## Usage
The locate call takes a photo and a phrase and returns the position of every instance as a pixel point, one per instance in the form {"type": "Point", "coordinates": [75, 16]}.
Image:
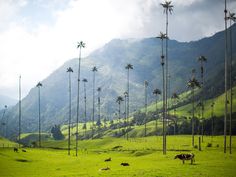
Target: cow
{"type": "Point", "coordinates": [15, 149]}
{"type": "Point", "coordinates": [124, 164]}
{"type": "Point", "coordinates": [104, 169]}
{"type": "Point", "coordinates": [107, 160]}
{"type": "Point", "coordinates": [184, 157]}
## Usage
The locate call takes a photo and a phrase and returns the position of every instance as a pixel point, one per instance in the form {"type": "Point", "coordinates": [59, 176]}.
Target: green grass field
{"type": "Point", "coordinates": [143, 154]}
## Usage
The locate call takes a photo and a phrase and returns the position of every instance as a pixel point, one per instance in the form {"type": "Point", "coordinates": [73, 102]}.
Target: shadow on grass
{"type": "Point", "coordinates": [22, 160]}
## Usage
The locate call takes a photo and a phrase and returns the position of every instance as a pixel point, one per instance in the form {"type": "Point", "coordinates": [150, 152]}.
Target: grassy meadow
{"type": "Point", "coordinates": [144, 156]}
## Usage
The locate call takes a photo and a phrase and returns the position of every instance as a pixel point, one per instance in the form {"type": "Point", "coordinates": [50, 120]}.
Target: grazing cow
{"type": "Point", "coordinates": [15, 149]}
{"type": "Point", "coordinates": [23, 150]}
{"type": "Point", "coordinates": [124, 164]}
{"type": "Point", "coordinates": [104, 169]}
{"type": "Point", "coordinates": [184, 157]}
{"type": "Point", "coordinates": [107, 160]}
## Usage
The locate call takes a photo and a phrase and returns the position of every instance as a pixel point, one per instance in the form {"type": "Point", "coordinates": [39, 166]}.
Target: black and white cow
{"type": "Point", "coordinates": [184, 157]}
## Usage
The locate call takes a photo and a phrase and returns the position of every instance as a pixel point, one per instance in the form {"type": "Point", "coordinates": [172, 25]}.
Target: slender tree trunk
{"type": "Point", "coordinates": [119, 117]}
{"type": "Point", "coordinates": [193, 117]}
{"type": "Point", "coordinates": [212, 120]}
{"type": "Point", "coordinates": [85, 107]}
{"type": "Point", "coordinates": [145, 120]}
{"type": "Point", "coordinates": [69, 122]}
{"type": "Point", "coordinates": [77, 113]}
{"type": "Point", "coordinates": [93, 103]}
{"type": "Point", "coordinates": [127, 135]}
{"type": "Point", "coordinates": [202, 101]}
{"type": "Point", "coordinates": [39, 117]}
{"type": "Point", "coordinates": [164, 110]}
{"type": "Point", "coordinates": [19, 134]}
{"type": "Point", "coordinates": [226, 77]}
{"type": "Point", "coordinates": [125, 112]}
{"type": "Point", "coordinates": [156, 114]}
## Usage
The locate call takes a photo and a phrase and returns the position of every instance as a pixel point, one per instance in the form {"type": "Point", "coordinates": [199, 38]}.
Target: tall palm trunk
{"type": "Point", "coordinates": [226, 77]}
{"type": "Point", "coordinates": [127, 115]}
{"type": "Point", "coordinates": [212, 118]}
{"type": "Point", "coordinates": [202, 105]}
{"type": "Point", "coordinates": [156, 115]}
{"type": "Point", "coordinates": [85, 107]}
{"type": "Point", "coordinates": [119, 116]}
{"type": "Point", "coordinates": [77, 113]}
{"type": "Point", "coordinates": [19, 133]}
{"type": "Point", "coordinates": [193, 116]}
{"type": "Point", "coordinates": [39, 117]}
{"type": "Point", "coordinates": [93, 123]}
{"type": "Point", "coordinates": [125, 94]}
{"type": "Point", "coordinates": [145, 120]}
{"type": "Point", "coordinates": [69, 121]}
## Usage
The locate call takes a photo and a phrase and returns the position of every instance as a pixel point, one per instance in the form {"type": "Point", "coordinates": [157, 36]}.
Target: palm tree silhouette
{"type": "Point", "coordinates": [19, 133]}
{"type": "Point", "coordinates": [128, 67]}
{"type": "Point", "coordinates": [69, 70]}
{"type": "Point", "coordinates": [94, 70]}
{"type": "Point", "coordinates": [175, 97]}
{"type": "Point", "coordinates": [156, 92]}
{"type": "Point", "coordinates": [212, 117]}
{"type": "Point", "coordinates": [85, 113]}
{"type": "Point", "coordinates": [80, 45]}
{"type": "Point", "coordinates": [119, 99]}
{"type": "Point", "coordinates": [202, 59]}
{"type": "Point", "coordinates": [163, 36]}
{"type": "Point", "coordinates": [168, 8]}
{"type": "Point", "coordinates": [39, 85]}
{"type": "Point", "coordinates": [193, 84]}
{"type": "Point", "coordinates": [232, 19]}
{"type": "Point", "coordinates": [145, 120]}
{"type": "Point", "coordinates": [99, 106]}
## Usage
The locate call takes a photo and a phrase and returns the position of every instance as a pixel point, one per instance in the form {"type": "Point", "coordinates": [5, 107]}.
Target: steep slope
{"type": "Point", "coordinates": [111, 59]}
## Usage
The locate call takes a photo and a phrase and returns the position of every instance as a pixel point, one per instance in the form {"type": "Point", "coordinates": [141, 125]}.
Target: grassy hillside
{"type": "Point", "coordinates": [6, 143]}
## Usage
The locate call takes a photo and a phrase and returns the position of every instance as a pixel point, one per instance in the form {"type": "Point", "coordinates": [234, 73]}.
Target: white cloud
{"type": "Point", "coordinates": [34, 46]}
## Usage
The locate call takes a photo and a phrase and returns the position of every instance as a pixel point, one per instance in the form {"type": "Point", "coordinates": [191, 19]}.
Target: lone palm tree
{"type": "Point", "coordinates": [212, 117]}
{"type": "Point", "coordinates": [80, 45]}
{"type": "Point", "coordinates": [193, 84]}
{"type": "Point", "coordinates": [119, 100]}
{"type": "Point", "coordinates": [94, 70]}
{"type": "Point", "coordinates": [128, 67]}
{"type": "Point", "coordinates": [145, 120]}
{"type": "Point", "coordinates": [85, 113]}
{"type": "Point", "coordinates": [39, 85]}
{"type": "Point", "coordinates": [202, 59]}
{"type": "Point", "coordinates": [156, 92]}
{"type": "Point", "coordinates": [163, 36]}
{"type": "Point", "coordinates": [19, 133]}
{"type": "Point", "coordinates": [69, 70]}
{"type": "Point", "coordinates": [175, 98]}
{"type": "Point", "coordinates": [232, 19]}
{"type": "Point", "coordinates": [99, 105]}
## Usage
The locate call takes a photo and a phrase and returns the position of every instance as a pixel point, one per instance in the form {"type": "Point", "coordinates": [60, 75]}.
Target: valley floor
{"type": "Point", "coordinates": [144, 156]}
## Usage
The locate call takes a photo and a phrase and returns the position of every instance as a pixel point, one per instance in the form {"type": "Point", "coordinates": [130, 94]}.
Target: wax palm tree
{"type": "Point", "coordinates": [69, 70]}
{"type": "Point", "coordinates": [163, 36]}
{"type": "Point", "coordinates": [212, 117]}
{"type": "Point", "coordinates": [19, 133]}
{"type": "Point", "coordinates": [231, 19]}
{"type": "Point", "coordinates": [85, 105]}
{"type": "Point", "coordinates": [193, 84]}
{"type": "Point", "coordinates": [226, 78]}
{"type": "Point", "coordinates": [39, 85]}
{"type": "Point", "coordinates": [175, 98]}
{"type": "Point", "coordinates": [99, 106]}
{"type": "Point", "coordinates": [156, 92]}
{"type": "Point", "coordinates": [168, 8]}
{"type": "Point", "coordinates": [202, 59]}
{"type": "Point", "coordinates": [80, 45]}
{"type": "Point", "coordinates": [128, 67]}
{"type": "Point", "coordinates": [119, 99]}
{"type": "Point", "coordinates": [94, 70]}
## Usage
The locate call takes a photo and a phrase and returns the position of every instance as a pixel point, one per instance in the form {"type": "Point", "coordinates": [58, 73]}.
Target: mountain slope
{"type": "Point", "coordinates": [111, 59]}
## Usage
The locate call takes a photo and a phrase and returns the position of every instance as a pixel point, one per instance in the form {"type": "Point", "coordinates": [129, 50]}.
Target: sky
{"type": "Point", "coordinates": [38, 36]}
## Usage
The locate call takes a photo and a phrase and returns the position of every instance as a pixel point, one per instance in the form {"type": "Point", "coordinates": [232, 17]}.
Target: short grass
{"type": "Point", "coordinates": [143, 154]}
